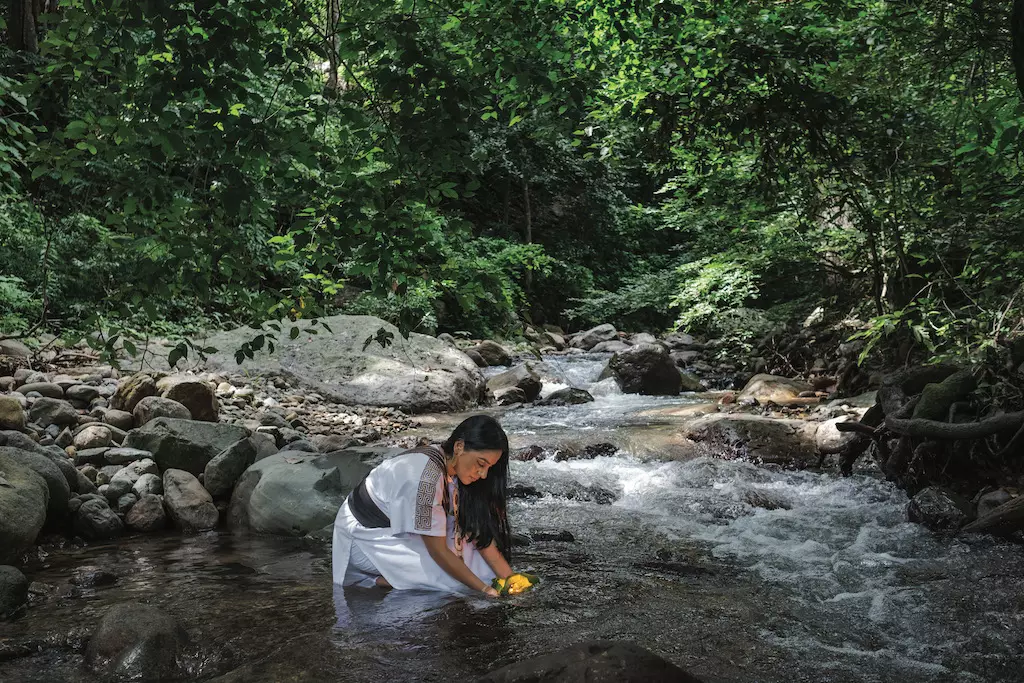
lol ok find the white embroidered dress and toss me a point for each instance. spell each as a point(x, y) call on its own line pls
point(408, 489)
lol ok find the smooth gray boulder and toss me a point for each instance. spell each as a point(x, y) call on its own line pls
point(137, 642)
point(24, 498)
point(293, 493)
point(223, 471)
point(198, 397)
point(12, 416)
point(188, 504)
point(56, 483)
point(492, 353)
point(418, 374)
point(773, 388)
point(184, 444)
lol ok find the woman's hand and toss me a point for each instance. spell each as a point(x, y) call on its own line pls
point(490, 592)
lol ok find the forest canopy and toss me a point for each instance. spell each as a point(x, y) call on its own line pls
point(481, 165)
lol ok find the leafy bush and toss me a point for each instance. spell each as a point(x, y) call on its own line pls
point(710, 288)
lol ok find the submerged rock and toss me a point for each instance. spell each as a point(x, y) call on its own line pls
point(570, 396)
point(592, 662)
point(939, 509)
point(137, 642)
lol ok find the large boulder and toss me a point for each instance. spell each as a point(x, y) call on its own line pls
point(223, 471)
point(594, 336)
point(11, 414)
point(132, 390)
point(418, 374)
point(756, 438)
point(184, 444)
point(14, 348)
point(24, 497)
point(592, 662)
point(780, 390)
point(198, 397)
point(521, 376)
point(188, 504)
point(56, 483)
point(293, 493)
point(137, 642)
point(645, 369)
point(152, 407)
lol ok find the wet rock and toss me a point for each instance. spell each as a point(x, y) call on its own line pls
point(57, 485)
point(188, 504)
point(50, 411)
point(293, 493)
point(418, 373)
point(594, 336)
point(1004, 520)
point(529, 453)
point(137, 642)
point(152, 407)
point(121, 419)
point(939, 509)
point(592, 662)
point(13, 590)
point(790, 443)
point(780, 390)
point(591, 494)
point(766, 499)
point(11, 414)
point(93, 436)
point(520, 540)
point(588, 452)
point(223, 471)
point(124, 503)
point(493, 353)
point(92, 577)
point(509, 396)
point(477, 359)
point(95, 521)
point(523, 377)
point(645, 369)
point(198, 397)
point(184, 444)
point(132, 390)
point(148, 514)
point(570, 396)
point(523, 491)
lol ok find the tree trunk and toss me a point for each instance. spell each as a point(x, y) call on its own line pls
point(21, 25)
point(529, 230)
point(333, 17)
point(1017, 33)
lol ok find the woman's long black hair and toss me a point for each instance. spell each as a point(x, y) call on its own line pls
point(482, 505)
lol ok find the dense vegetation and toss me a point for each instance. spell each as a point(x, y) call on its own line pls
point(483, 164)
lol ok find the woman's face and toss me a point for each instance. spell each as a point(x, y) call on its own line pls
point(472, 466)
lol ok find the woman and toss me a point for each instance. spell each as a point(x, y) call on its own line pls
point(432, 518)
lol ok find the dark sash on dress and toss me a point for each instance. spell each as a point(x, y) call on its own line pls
point(366, 512)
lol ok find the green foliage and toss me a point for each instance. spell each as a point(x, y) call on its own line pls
point(709, 290)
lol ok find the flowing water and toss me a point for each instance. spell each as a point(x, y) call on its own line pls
point(733, 571)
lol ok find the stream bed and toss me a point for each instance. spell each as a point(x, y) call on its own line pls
point(735, 572)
